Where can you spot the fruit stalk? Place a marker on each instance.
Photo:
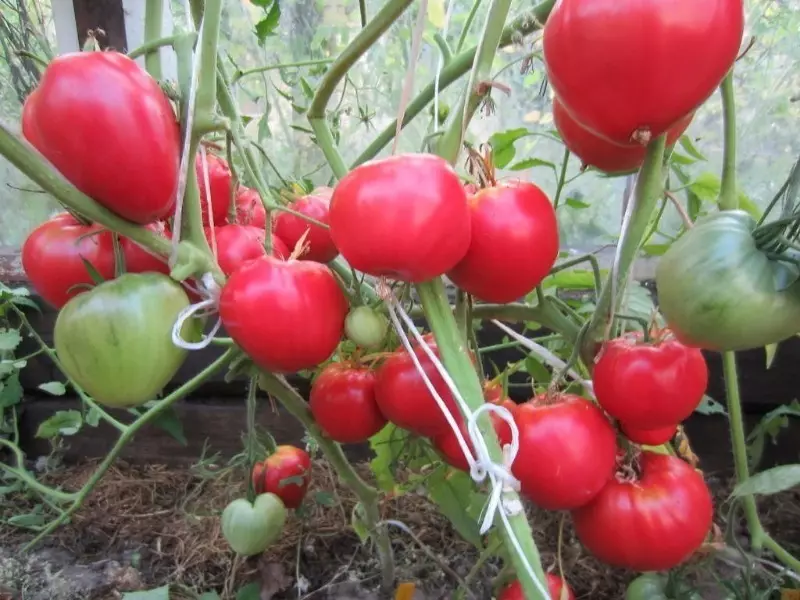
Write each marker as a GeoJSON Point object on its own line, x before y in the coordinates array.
{"type": "Point", "coordinates": [728, 198]}
{"type": "Point", "coordinates": [153, 12]}
{"type": "Point", "coordinates": [367, 495]}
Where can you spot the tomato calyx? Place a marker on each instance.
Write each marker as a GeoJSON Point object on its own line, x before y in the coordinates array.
{"type": "Point", "coordinates": [480, 165]}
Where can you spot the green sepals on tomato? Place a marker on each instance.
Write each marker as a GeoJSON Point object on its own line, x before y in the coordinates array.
{"type": "Point", "coordinates": [285, 473]}
{"type": "Point", "coordinates": [656, 44]}
{"type": "Point", "coordinates": [251, 528]}
{"type": "Point", "coordinates": [291, 228]}
{"type": "Point", "coordinates": [653, 522]}
{"type": "Point", "coordinates": [719, 291]}
{"type": "Point", "coordinates": [238, 244]}
{"type": "Point", "coordinates": [287, 315]}
{"type": "Point", "coordinates": [219, 184]}
{"type": "Point", "coordinates": [115, 340]}
{"type": "Point", "coordinates": [107, 126]}
{"type": "Point", "coordinates": [513, 246]}
{"type": "Point", "coordinates": [366, 327]}
{"type": "Point", "coordinates": [404, 217]}
{"type": "Point", "coordinates": [557, 586]}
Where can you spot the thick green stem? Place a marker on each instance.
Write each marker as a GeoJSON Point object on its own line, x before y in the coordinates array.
{"type": "Point", "coordinates": [153, 15]}
{"type": "Point", "coordinates": [728, 197]}
{"type": "Point", "coordinates": [382, 21]}
{"type": "Point", "coordinates": [368, 496]}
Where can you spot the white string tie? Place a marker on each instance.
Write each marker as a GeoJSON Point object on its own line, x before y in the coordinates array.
{"type": "Point", "coordinates": [210, 291]}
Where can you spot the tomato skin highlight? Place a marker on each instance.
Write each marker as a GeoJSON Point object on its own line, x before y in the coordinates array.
{"type": "Point", "coordinates": [653, 524]}
{"type": "Point", "coordinates": [238, 244]}
{"type": "Point", "coordinates": [404, 217]}
{"type": "Point", "coordinates": [109, 129]}
{"type": "Point", "coordinates": [508, 221]}
{"type": "Point", "coordinates": [286, 462]}
{"type": "Point", "coordinates": [291, 228]}
{"type": "Point", "coordinates": [555, 585]}
{"type": "Point", "coordinates": [343, 403]}
{"type": "Point", "coordinates": [567, 452]}
{"type": "Point", "coordinates": [593, 50]}
{"type": "Point", "coordinates": [649, 385]}
{"type": "Point", "coordinates": [219, 184]}
{"type": "Point", "coordinates": [287, 315]}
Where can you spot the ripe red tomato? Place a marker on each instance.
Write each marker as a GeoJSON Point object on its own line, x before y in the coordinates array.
{"type": "Point", "coordinates": [567, 451]}
{"type": "Point", "coordinates": [449, 448]}
{"type": "Point", "coordinates": [404, 398]}
{"type": "Point", "coordinates": [493, 393]}
{"type": "Point", "coordinates": [306, 309]}
{"type": "Point", "coordinates": [597, 152]}
{"type": "Point", "coordinates": [511, 220]}
{"type": "Point", "coordinates": [405, 217]}
{"type": "Point", "coordinates": [249, 208]}
{"type": "Point", "coordinates": [139, 260]}
{"type": "Point", "coordinates": [555, 585]}
{"type": "Point", "coordinates": [109, 129]}
{"type": "Point", "coordinates": [237, 244]}
{"type": "Point", "coordinates": [343, 403]}
{"type": "Point", "coordinates": [651, 524]}
{"type": "Point", "coordinates": [649, 385]}
{"type": "Point", "coordinates": [291, 228]}
{"type": "Point", "coordinates": [649, 437]}
{"type": "Point", "coordinates": [593, 51]}
{"type": "Point", "coordinates": [219, 182]}
{"type": "Point", "coordinates": [287, 462]}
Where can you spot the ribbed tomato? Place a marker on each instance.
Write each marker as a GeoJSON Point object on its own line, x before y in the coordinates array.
{"type": "Point", "coordinates": [405, 217]}
{"type": "Point", "coordinates": [594, 51]}
{"type": "Point", "coordinates": [219, 183]}
{"type": "Point", "coordinates": [249, 208]}
{"type": "Point", "coordinates": [653, 523]}
{"type": "Point", "coordinates": [291, 228]}
{"type": "Point", "coordinates": [558, 588]}
{"type": "Point", "coordinates": [285, 473]}
{"type": "Point", "coordinates": [237, 244]}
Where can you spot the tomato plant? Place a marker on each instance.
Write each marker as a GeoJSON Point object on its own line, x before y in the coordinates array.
{"type": "Point", "coordinates": [371, 201]}
{"type": "Point", "coordinates": [558, 588]}
{"type": "Point", "coordinates": [219, 186]}
{"type": "Point", "coordinates": [285, 473]}
{"type": "Point", "coordinates": [237, 244]}
{"type": "Point", "coordinates": [132, 168]}
{"type": "Point", "coordinates": [652, 523]}
{"type": "Point", "coordinates": [343, 403]}
{"type": "Point", "coordinates": [291, 228]}
{"type": "Point", "coordinates": [251, 528]}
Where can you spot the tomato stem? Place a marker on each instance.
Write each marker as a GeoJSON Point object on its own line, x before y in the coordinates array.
{"type": "Point", "coordinates": [728, 197]}
{"type": "Point", "coordinates": [153, 14]}
{"type": "Point", "coordinates": [251, 439]}
{"type": "Point", "coordinates": [151, 46]}
{"type": "Point", "coordinates": [280, 66]}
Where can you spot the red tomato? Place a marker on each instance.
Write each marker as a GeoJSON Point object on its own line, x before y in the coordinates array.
{"type": "Point", "coordinates": [109, 129]}
{"type": "Point", "coordinates": [404, 398]}
{"type": "Point", "coordinates": [287, 462]}
{"type": "Point", "coordinates": [493, 393]}
{"type": "Point", "coordinates": [343, 403]}
{"type": "Point", "coordinates": [291, 228]}
{"type": "Point", "coordinates": [471, 188]}
{"type": "Point", "coordinates": [249, 208]}
{"type": "Point", "coordinates": [508, 221]}
{"type": "Point", "coordinates": [219, 182]}
{"type": "Point", "coordinates": [447, 442]}
{"type": "Point", "coordinates": [594, 51]}
{"type": "Point", "coordinates": [649, 386]}
{"type": "Point", "coordinates": [567, 451]}
{"type": "Point", "coordinates": [652, 524]}
{"type": "Point", "coordinates": [139, 260]}
{"type": "Point", "coordinates": [237, 244]}
{"type": "Point", "coordinates": [555, 585]}
{"type": "Point", "coordinates": [405, 217]}
{"type": "Point", "coordinates": [649, 437]}
{"type": "Point", "coordinates": [305, 305]}
{"type": "Point", "coordinates": [598, 152]}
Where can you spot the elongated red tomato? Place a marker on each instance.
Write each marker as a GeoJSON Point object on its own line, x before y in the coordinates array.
{"type": "Point", "coordinates": [219, 183]}
{"type": "Point", "coordinates": [249, 208]}
{"type": "Point", "coordinates": [404, 217]}
{"type": "Point", "coordinates": [509, 222]}
{"type": "Point", "coordinates": [649, 437]}
{"type": "Point", "coordinates": [285, 473]}
{"type": "Point", "coordinates": [567, 451]}
{"type": "Point", "coordinates": [649, 385]}
{"type": "Point", "coordinates": [555, 585]}
{"type": "Point", "coordinates": [343, 403]}
{"type": "Point", "coordinates": [594, 51]}
{"type": "Point", "coordinates": [238, 244]}
{"type": "Point", "coordinates": [651, 524]}
{"type": "Point", "coordinates": [107, 127]}
{"type": "Point", "coordinates": [291, 228]}
{"type": "Point", "coordinates": [597, 152]}
{"type": "Point", "coordinates": [287, 315]}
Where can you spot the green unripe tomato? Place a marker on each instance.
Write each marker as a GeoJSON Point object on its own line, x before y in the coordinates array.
{"type": "Point", "coordinates": [250, 528]}
{"type": "Point", "coordinates": [650, 586]}
{"type": "Point", "coordinates": [366, 327]}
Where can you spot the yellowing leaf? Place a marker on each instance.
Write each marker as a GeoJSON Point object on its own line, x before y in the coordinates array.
{"type": "Point", "coordinates": [436, 13]}
{"type": "Point", "coordinates": [405, 591]}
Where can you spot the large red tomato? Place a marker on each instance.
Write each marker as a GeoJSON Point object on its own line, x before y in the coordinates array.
{"type": "Point", "coordinates": [651, 524]}
{"type": "Point", "coordinates": [107, 127]}
{"type": "Point", "coordinates": [447, 442]}
{"type": "Point", "coordinates": [249, 208]}
{"type": "Point", "coordinates": [139, 260]}
{"type": "Point", "coordinates": [287, 315]}
{"type": "Point", "coordinates": [291, 228]}
{"type": "Point", "coordinates": [597, 152]}
{"type": "Point", "coordinates": [404, 217]}
{"type": "Point", "coordinates": [567, 451]}
{"type": "Point", "coordinates": [237, 244]}
{"type": "Point", "coordinates": [343, 403]}
{"type": "Point", "coordinates": [514, 243]}
{"type": "Point", "coordinates": [649, 437]}
{"type": "Point", "coordinates": [404, 398]}
{"type": "Point", "coordinates": [219, 182]}
{"type": "Point", "coordinates": [285, 473]}
{"type": "Point", "coordinates": [649, 385]}
{"type": "Point", "coordinates": [555, 585]}
{"type": "Point", "coordinates": [629, 74]}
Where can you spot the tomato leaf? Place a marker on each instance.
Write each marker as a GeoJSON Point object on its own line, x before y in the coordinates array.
{"type": "Point", "coordinates": [771, 481]}
{"type": "Point", "coordinates": [251, 591]}
{"type": "Point", "coordinates": [161, 593]}
{"type": "Point", "coordinates": [9, 339]}
{"type": "Point", "coordinates": [63, 422]}
{"type": "Point", "coordinates": [324, 499]}
{"type": "Point", "coordinates": [387, 445]}
{"type": "Point", "coordinates": [707, 187]}
{"type": "Point", "coordinates": [54, 388]}
{"type": "Point", "coordinates": [576, 204]}
{"type": "Point", "coordinates": [453, 492]}
{"type": "Point", "coordinates": [11, 391]}
{"type": "Point", "coordinates": [771, 424]}
{"type": "Point", "coordinates": [530, 163]}
{"type": "Point", "coordinates": [93, 273]}
{"type": "Point", "coordinates": [690, 148]}
{"type": "Point", "coordinates": [503, 150]}
{"type": "Point", "coordinates": [169, 421]}
{"type": "Point", "coordinates": [266, 27]}
{"type": "Point", "coordinates": [359, 524]}
{"type": "Point", "coordinates": [709, 406]}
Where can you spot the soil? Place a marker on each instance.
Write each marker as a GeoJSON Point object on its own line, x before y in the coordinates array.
{"type": "Point", "coordinates": [148, 526]}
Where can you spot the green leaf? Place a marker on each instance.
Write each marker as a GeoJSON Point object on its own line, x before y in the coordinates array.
{"type": "Point", "coordinates": [306, 87]}
{"type": "Point", "coordinates": [161, 593]}
{"type": "Point", "coordinates": [63, 422]}
{"type": "Point", "coordinates": [9, 339]}
{"type": "Point", "coordinates": [576, 204]}
{"type": "Point", "coordinates": [251, 591]}
{"type": "Point", "coordinates": [706, 187]}
{"type": "Point", "coordinates": [454, 493]}
{"type": "Point", "coordinates": [358, 521]}
{"type": "Point", "coordinates": [537, 371]}
{"type": "Point", "coordinates": [55, 388]}
{"type": "Point", "coordinates": [572, 279]}
{"type": "Point", "coordinates": [33, 520]}
{"type": "Point", "coordinates": [503, 150]}
{"type": "Point", "coordinates": [209, 596]}
{"type": "Point", "coordinates": [387, 444]}
{"type": "Point", "coordinates": [656, 249]}
{"type": "Point", "coordinates": [94, 274]}
{"type": "Point", "coordinates": [169, 421]}
{"type": "Point", "coordinates": [771, 350]}
{"type": "Point", "coordinates": [771, 481]}
{"type": "Point", "coordinates": [325, 499]}
{"type": "Point", "coordinates": [266, 27]}
{"type": "Point", "coordinates": [11, 392]}
{"type": "Point", "coordinates": [530, 163]}
{"type": "Point", "coordinates": [709, 406]}
{"type": "Point", "coordinates": [92, 417]}
{"type": "Point", "coordinates": [686, 143]}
